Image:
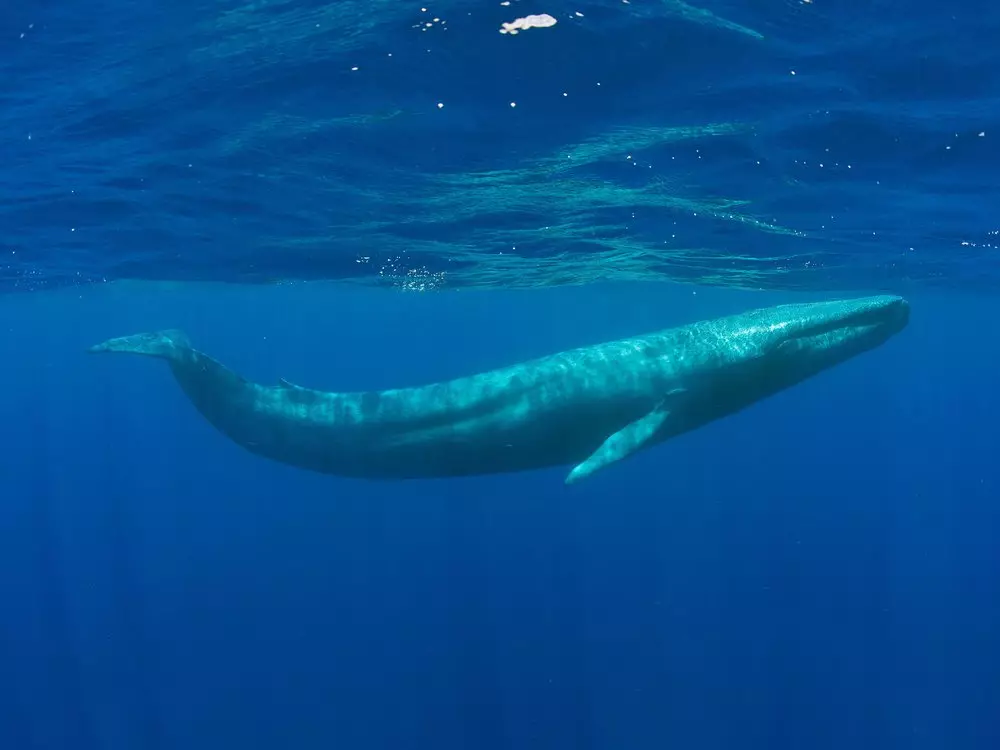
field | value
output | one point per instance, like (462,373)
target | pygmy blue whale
(587,407)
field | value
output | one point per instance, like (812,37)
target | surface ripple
(809,145)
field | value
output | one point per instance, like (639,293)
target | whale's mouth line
(854,328)
(877,322)
(818,338)
(887,317)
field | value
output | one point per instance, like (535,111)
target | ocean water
(356,195)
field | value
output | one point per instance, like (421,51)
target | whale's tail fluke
(223,397)
(168,344)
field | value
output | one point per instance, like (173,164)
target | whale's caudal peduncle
(587,407)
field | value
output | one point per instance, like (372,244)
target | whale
(586,408)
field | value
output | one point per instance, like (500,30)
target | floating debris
(539,21)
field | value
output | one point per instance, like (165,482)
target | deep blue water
(820,571)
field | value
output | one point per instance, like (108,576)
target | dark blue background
(819,571)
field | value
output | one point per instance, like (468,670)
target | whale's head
(803,339)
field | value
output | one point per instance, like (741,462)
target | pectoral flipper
(632,438)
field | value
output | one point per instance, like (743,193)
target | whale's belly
(519,432)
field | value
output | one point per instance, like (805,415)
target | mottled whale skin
(587,408)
